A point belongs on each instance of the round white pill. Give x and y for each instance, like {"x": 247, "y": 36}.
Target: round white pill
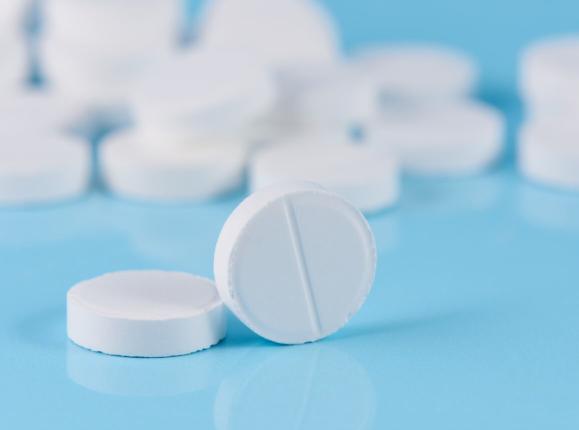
{"x": 42, "y": 169}
{"x": 419, "y": 71}
{"x": 365, "y": 177}
{"x": 145, "y": 314}
{"x": 295, "y": 262}
{"x": 549, "y": 71}
{"x": 446, "y": 139}
{"x": 204, "y": 91}
{"x": 136, "y": 170}
{"x": 548, "y": 153}
{"x": 284, "y": 33}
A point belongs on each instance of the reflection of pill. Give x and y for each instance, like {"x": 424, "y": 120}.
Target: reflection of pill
{"x": 363, "y": 176}
{"x": 125, "y": 376}
{"x": 549, "y": 153}
{"x": 145, "y": 314}
{"x": 302, "y": 376}
{"x": 42, "y": 168}
{"x": 295, "y": 262}
{"x": 446, "y": 139}
{"x": 135, "y": 170}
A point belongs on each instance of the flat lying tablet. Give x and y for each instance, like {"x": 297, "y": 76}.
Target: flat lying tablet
{"x": 178, "y": 173}
{"x": 145, "y": 314}
{"x": 362, "y": 175}
{"x": 548, "y": 153}
{"x": 204, "y": 90}
{"x": 442, "y": 139}
{"x": 42, "y": 169}
{"x": 295, "y": 262}
{"x": 419, "y": 72}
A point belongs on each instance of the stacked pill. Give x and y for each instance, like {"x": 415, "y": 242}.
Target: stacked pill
{"x": 548, "y": 150}
{"x": 187, "y": 143}
{"x": 13, "y": 59}
{"x": 94, "y": 50}
{"x": 323, "y": 100}
{"x": 428, "y": 117}
{"x": 299, "y": 42}
{"x": 40, "y": 159}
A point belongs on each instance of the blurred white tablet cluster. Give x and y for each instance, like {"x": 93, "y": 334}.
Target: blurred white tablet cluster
{"x": 548, "y": 149}
{"x": 266, "y": 94}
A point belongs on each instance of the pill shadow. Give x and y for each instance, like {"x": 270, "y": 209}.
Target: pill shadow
{"x": 45, "y": 329}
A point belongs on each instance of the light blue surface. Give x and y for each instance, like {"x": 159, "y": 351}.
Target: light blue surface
{"x": 473, "y": 322}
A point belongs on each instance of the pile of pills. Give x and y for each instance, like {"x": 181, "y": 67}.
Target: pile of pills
{"x": 264, "y": 97}
{"x": 188, "y": 143}
{"x": 548, "y": 149}
{"x": 93, "y": 50}
{"x": 428, "y": 119}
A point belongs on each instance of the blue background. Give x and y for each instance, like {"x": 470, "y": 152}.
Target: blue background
{"x": 473, "y": 321}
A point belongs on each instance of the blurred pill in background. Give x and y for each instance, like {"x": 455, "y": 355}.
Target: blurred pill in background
{"x": 549, "y": 153}
{"x": 41, "y": 160}
{"x": 202, "y": 93}
{"x": 45, "y": 168}
{"x": 454, "y": 138}
{"x": 418, "y": 73}
{"x": 548, "y": 150}
{"x": 13, "y": 53}
{"x": 549, "y": 77}
{"x": 287, "y": 34}
{"x": 365, "y": 177}
{"x": 138, "y": 171}
{"x": 93, "y": 51}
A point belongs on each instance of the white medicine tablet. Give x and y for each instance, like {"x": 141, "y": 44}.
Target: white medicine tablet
{"x": 419, "y": 72}
{"x": 204, "y": 90}
{"x": 284, "y": 33}
{"x": 550, "y": 70}
{"x": 177, "y": 173}
{"x": 365, "y": 177}
{"x": 548, "y": 153}
{"x": 145, "y": 314}
{"x": 42, "y": 169}
{"x": 445, "y": 139}
{"x": 295, "y": 262}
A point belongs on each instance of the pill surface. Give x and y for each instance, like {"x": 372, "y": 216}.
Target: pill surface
{"x": 365, "y": 177}
{"x": 446, "y": 139}
{"x": 145, "y": 314}
{"x": 139, "y": 171}
{"x": 295, "y": 262}
{"x": 548, "y": 153}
